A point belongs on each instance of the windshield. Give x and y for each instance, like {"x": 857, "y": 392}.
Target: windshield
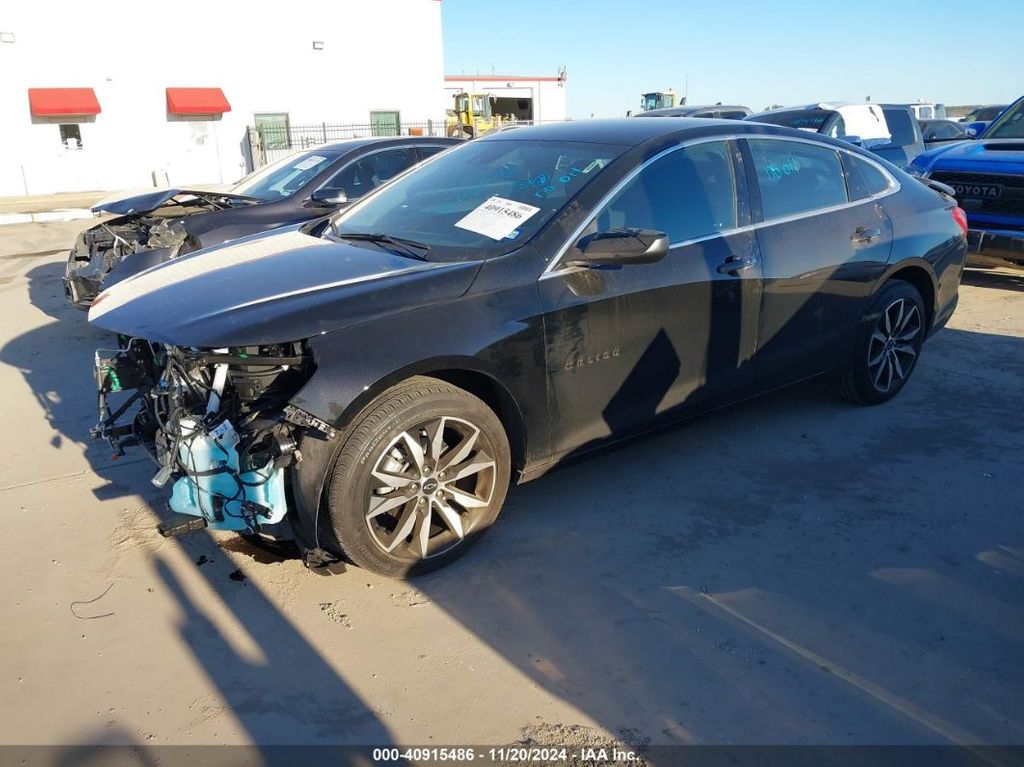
{"x": 481, "y": 199}
{"x": 1010, "y": 125}
{"x": 284, "y": 177}
{"x": 805, "y": 119}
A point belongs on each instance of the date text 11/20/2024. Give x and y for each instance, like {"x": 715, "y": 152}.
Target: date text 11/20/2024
{"x": 505, "y": 754}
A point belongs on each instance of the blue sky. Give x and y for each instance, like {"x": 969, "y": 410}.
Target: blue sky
{"x": 752, "y": 53}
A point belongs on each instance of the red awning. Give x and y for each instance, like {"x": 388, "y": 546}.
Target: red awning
{"x": 197, "y": 101}
{"x": 47, "y": 102}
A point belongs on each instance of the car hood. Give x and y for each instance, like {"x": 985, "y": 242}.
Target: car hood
{"x": 992, "y": 155}
{"x": 147, "y": 201}
{"x": 272, "y": 288}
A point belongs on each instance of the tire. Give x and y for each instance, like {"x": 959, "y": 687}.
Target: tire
{"x": 886, "y": 347}
{"x": 394, "y": 478}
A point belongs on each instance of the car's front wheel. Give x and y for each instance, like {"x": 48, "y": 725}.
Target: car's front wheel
{"x": 886, "y": 347}
{"x": 420, "y": 475}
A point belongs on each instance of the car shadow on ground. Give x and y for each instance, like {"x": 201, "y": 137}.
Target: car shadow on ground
{"x": 997, "y": 279}
{"x": 791, "y": 570}
{"x": 282, "y": 691}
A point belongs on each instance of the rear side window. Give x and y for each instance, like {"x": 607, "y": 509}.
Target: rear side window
{"x": 862, "y": 178}
{"x": 687, "y": 194}
{"x": 795, "y": 177}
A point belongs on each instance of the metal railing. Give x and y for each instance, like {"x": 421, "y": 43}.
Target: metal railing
{"x": 269, "y": 143}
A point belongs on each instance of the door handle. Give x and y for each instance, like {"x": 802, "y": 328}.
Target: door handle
{"x": 864, "y": 235}
{"x": 736, "y": 264}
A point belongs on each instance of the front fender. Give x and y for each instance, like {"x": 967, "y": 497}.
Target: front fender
{"x": 495, "y": 333}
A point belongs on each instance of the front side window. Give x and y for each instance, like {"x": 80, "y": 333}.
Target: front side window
{"x": 796, "y": 177}
{"x": 688, "y": 193}
{"x": 359, "y": 177}
{"x": 481, "y": 199}
{"x": 1010, "y": 124}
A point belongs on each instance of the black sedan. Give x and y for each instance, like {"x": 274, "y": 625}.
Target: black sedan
{"x": 938, "y": 132}
{"x": 157, "y": 226}
{"x": 516, "y": 302}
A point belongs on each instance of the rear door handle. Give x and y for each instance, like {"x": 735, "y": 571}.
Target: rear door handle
{"x": 864, "y": 235}
{"x": 736, "y": 264}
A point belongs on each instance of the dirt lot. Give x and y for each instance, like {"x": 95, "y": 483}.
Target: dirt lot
{"x": 794, "y": 570}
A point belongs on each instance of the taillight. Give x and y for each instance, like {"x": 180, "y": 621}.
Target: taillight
{"x": 961, "y": 218}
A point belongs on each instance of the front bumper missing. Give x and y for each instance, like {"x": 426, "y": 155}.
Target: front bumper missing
{"x": 116, "y": 372}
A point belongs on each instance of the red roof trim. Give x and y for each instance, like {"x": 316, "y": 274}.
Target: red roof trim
{"x": 49, "y": 102}
{"x": 499, "y": 78}
{"x": 197, "y": 101}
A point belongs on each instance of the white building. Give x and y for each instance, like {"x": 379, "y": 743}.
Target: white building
{"x": 540, "y": 99}
{"x": 164, "y": 93}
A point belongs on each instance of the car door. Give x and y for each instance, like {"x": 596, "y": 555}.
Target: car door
{"x": 821, "y": 252}
{"x": 628, "y": 345}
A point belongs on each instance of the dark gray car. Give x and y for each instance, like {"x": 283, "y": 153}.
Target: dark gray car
{"x": 163, "y": 224}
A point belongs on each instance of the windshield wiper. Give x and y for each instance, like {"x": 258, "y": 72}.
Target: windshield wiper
{"x": 401, "y": 245}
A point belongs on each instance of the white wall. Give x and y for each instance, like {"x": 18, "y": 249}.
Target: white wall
{"x": 548, "y": 95}
{"x": 377, "y": 55}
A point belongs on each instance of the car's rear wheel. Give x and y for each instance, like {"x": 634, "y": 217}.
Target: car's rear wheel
{"x": 886, "y": 348}
{"x": 420, "y": 476}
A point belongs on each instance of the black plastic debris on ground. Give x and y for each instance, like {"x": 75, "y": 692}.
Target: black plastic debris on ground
{"x": 237, "y": 575}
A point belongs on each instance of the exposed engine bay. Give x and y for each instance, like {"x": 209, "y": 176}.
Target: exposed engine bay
{"x": 216, "y": 422}
{"x": 102, "y": 247}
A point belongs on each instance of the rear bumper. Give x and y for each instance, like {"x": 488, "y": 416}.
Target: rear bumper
{"x": 987, "y": 247}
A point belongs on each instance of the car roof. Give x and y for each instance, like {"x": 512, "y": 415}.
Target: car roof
{"x": 347, "y": 145}
{"x": 628, "y": 131}
{"x": 615, "y": 130}
{"x": 686, "y": 109}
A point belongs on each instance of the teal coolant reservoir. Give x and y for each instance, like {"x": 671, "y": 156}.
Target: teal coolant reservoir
{"x": 216, "y": 489}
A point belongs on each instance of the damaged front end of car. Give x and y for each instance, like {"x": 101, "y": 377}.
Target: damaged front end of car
{"x": 153, "y": 224}
{"x": 217, "y": 423}
{"x": 99, "y": 249}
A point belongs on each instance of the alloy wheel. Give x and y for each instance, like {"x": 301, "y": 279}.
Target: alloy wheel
{"x": 892, "y": 350}
{"x": 430, "y": 487}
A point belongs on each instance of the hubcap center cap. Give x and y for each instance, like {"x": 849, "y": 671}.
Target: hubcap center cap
{"x": 429, "y": 485}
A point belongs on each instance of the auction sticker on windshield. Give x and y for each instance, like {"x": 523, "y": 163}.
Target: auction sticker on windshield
{"x": 309, "y": 162}
{"x": 497, "y": 218}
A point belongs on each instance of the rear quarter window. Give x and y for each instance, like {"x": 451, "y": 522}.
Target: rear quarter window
{"x": 796, "y": 177}
{"x": 862, "y": 178}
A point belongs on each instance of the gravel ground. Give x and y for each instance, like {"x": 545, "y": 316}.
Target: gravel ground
{"x": 792, "y": 570}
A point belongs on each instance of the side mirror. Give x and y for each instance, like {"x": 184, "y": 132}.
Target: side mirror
{"x": 617, "y": 247}
{"x": 327, "y": 198}
{"x": 975, "y": 129}
{"x": 855, "y": 140}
